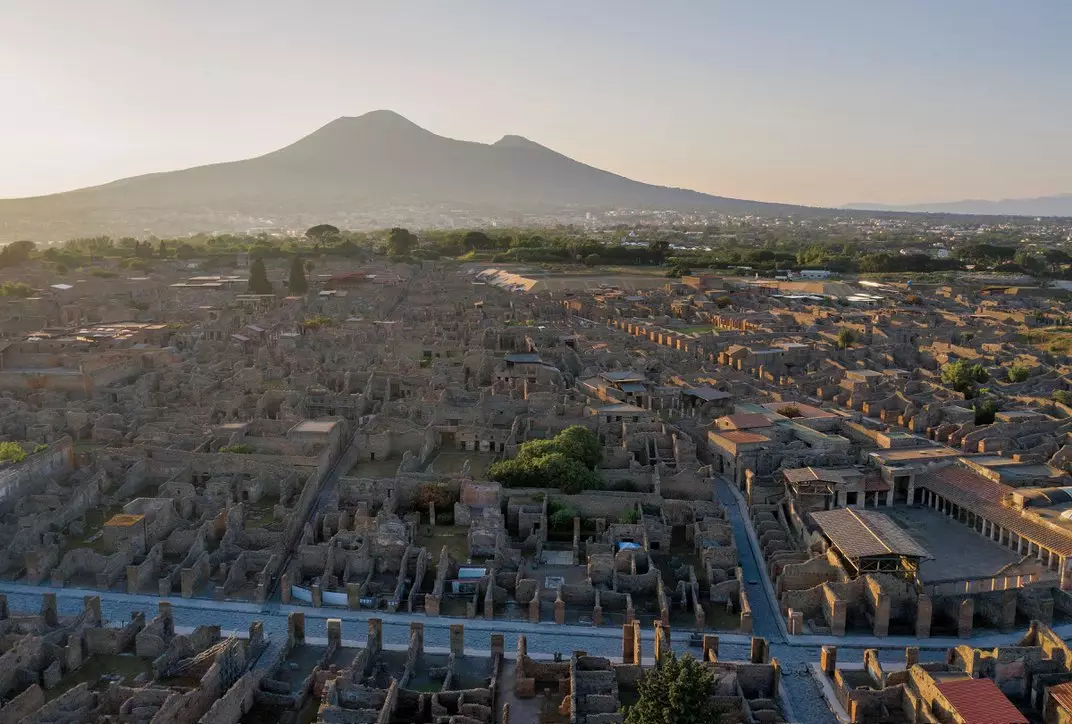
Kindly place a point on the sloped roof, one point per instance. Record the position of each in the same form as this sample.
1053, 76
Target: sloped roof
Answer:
980, 701
865, 533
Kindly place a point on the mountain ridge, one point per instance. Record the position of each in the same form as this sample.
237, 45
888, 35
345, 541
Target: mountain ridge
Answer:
1054, 205
378, 168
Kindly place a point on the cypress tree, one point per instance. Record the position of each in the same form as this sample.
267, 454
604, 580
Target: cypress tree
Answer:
258, 278
297, 283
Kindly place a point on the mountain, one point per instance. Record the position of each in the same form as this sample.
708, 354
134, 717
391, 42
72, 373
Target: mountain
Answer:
1059, 205
373, 170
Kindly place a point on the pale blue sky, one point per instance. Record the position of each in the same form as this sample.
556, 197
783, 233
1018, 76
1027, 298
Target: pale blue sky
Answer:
820, 102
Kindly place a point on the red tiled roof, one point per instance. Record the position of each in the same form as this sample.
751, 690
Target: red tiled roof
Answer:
980, 701
983, 497
1062, 694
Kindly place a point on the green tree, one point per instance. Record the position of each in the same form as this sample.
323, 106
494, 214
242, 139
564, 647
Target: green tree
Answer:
400, 242
566, 462
297, 283
580, 443
674, 691
258, 278
322, 233
962, 376
846, 338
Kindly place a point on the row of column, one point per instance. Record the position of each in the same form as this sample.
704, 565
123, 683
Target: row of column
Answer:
1002, 536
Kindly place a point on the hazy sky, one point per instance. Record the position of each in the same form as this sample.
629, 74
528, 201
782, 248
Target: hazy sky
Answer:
819, 102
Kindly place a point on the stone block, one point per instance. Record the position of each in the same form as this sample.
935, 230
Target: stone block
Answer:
334, 632
296, 628
457, 639
828, 659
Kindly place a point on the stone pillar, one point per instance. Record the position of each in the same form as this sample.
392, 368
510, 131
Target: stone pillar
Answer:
4, 613
416, 628
560, 609
534, 606
710, 648
48, 609
758, 653
457, 639
318, 595
92, 607
334, 632
256, 634
188, 582
911, 656
828, 659
375, 635
662, 640
795, 623
167, 617
498, 645
630, 613
965, 613
882, 615
284, 588
924, 613
628, 651
506, 713
353, 597
296, 628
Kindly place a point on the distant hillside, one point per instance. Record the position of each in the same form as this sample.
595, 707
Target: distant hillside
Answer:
378, 167
1060, 205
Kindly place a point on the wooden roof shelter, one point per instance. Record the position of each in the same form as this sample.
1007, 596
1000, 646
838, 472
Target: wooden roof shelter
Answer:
870, 542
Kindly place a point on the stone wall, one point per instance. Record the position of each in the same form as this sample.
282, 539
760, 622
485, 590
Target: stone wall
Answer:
31, 475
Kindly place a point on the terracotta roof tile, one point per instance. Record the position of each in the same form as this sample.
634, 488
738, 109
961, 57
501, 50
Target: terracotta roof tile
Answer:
980, 701
983, 497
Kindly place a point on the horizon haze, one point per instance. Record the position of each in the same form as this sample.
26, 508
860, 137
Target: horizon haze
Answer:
817, 104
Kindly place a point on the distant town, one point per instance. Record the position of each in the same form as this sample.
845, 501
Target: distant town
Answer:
477, 470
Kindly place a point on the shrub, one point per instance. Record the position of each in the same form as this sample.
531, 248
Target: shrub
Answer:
1062, 396
631, 516
11, 452
103, 273
723, 302
238, 449
1018, 373
16, 289
845, 339
984, 412
789, 411
317, 321
561, 517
